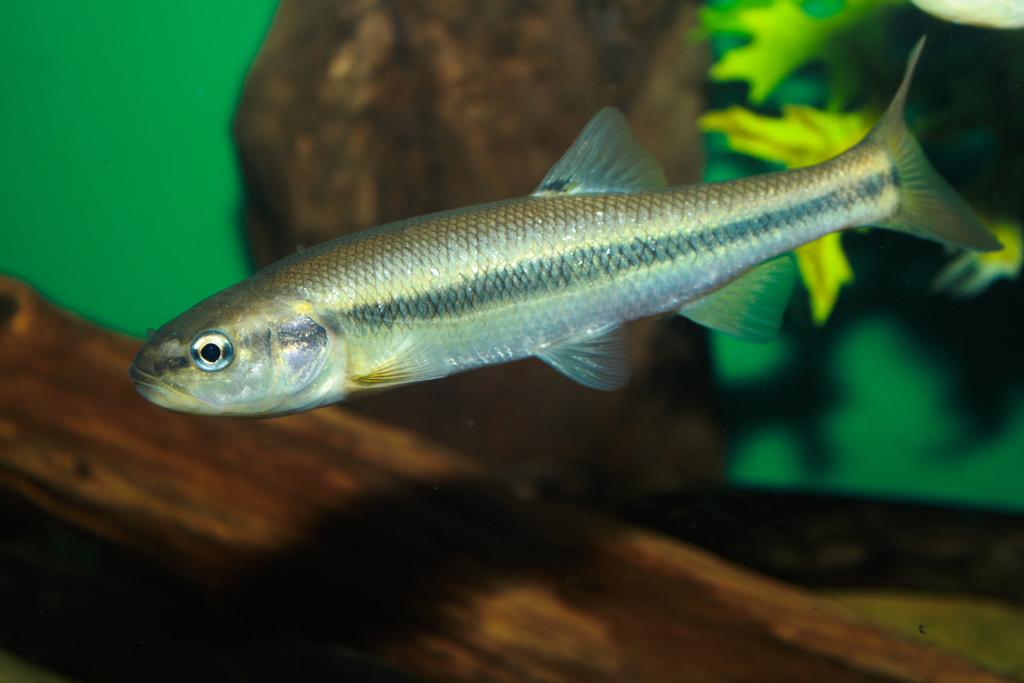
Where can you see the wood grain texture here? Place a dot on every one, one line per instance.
(347, 531)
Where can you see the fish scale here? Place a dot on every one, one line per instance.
(636, 235)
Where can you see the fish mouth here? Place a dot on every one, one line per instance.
(166, 396)
(170, 398)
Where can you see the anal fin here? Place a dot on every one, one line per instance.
(751, 307)
(598, 359)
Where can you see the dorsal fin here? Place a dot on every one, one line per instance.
(750, 307)
(605, 158)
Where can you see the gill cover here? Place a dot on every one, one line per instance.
(301, 345)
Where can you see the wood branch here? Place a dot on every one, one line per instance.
(362, 535)
(820, 540)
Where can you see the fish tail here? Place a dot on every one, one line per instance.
(929, 206)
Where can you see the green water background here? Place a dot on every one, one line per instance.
(120, 196)
(120, 199)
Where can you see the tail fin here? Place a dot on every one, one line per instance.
(929, 206)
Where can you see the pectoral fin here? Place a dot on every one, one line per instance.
(751, 307)
(598, 359)
(405, 363)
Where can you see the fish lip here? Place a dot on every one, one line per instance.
(138, 376)
(169, 398)
(145, 379)
(164, 395)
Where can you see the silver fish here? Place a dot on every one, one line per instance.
(554, 275)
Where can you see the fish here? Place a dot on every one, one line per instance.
(1003, 14)
(970, 273)
(553, 275)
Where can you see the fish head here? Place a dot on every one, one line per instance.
(240, 353)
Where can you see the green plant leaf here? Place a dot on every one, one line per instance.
(784, 36)
(824, 269)
(802, 136)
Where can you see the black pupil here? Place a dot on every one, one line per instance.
(210, 353)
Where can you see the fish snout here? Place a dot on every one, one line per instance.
(164, 395)
(135, 374)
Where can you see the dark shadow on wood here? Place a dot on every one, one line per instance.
(830, 541)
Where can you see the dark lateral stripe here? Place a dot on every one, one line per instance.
(868, 190)
(526, 279)
(604, 263)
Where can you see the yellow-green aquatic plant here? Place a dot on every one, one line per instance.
(784, 35)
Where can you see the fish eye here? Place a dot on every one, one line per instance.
(212, 351)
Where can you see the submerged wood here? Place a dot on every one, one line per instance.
(831, 541)
(355, 533)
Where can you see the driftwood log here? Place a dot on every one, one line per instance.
(362, 112)
(338, 529)
(829, 541)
